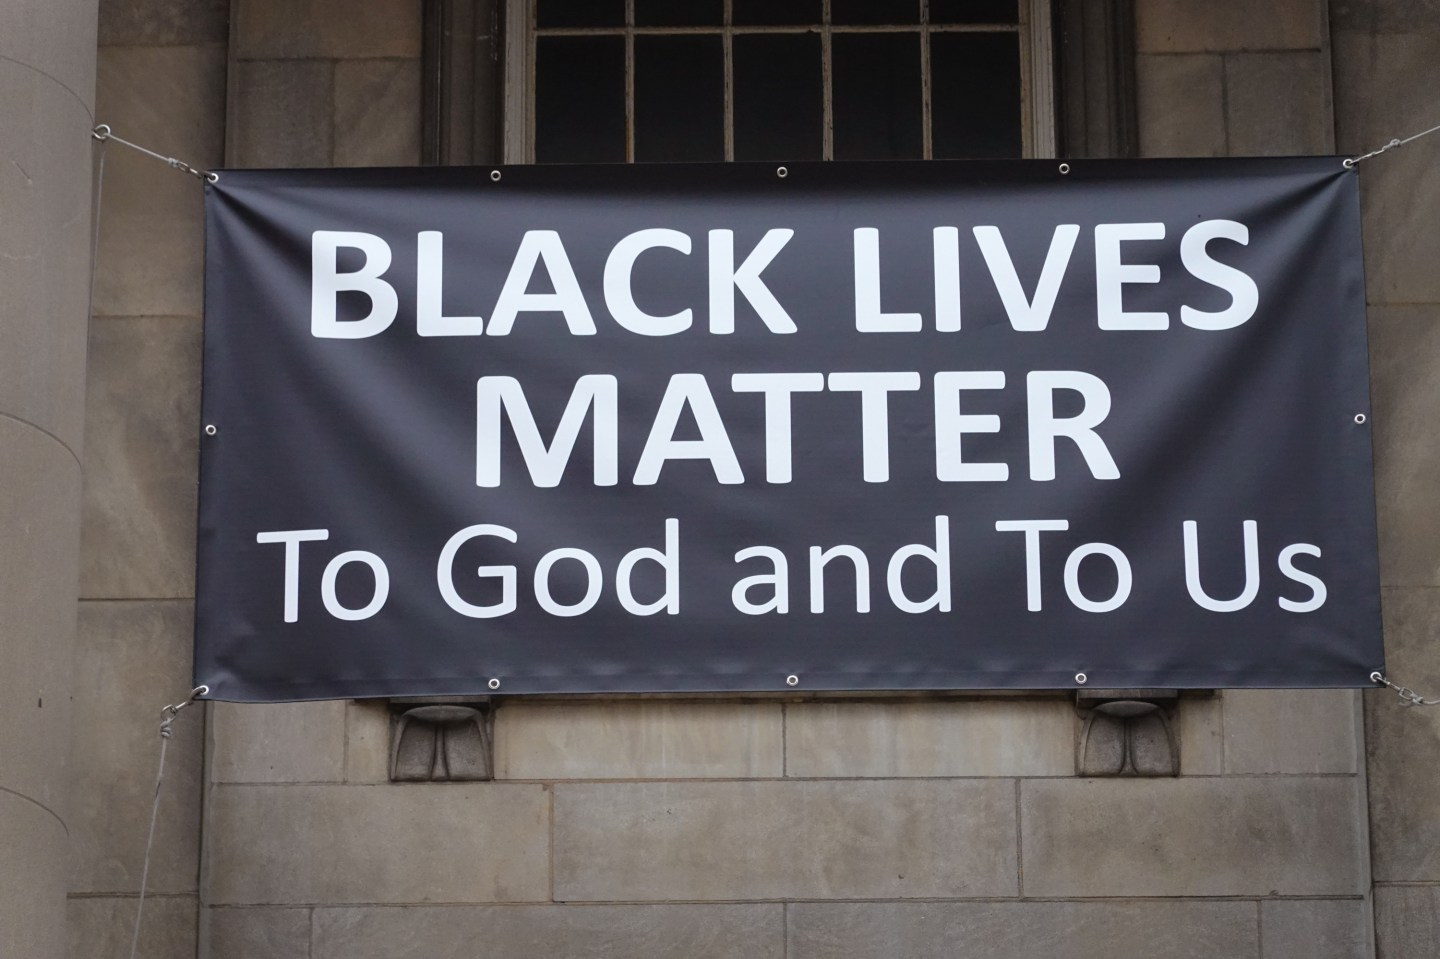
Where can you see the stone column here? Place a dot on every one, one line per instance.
(47, 87)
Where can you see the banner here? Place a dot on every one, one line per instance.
(873, 426)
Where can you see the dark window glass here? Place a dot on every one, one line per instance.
(579, 99)
(580, 13)
(746, 13)
(974, 11)
(876, 80)
(679, 98)
(779, 103)
(975, 95)
(679, 13)
(845, 12)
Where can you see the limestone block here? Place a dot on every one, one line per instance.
(1290, 731)
(141, 430)
(367, 742)
(157, 23)
(152, 226)
(282, 113)
(1384, 90)
(131, 659)
(1405, 391)
(278, 742)
(45, 235)
(1288, 836)
(1407, 921)
(721, 931)
(1315, 929)
(638, 740)
(1385, 16)
(485, 842)
(1278, 104)
(1181, 105)
(377, 113)
(1198, 727)
(792, 839)
(997, 737)
(39, 489)
(1189, 26)
(32, 878)
(103, 927)
(334, 29)
(1022, 930)
(258, 932)
(55, 38)
(1404, 744)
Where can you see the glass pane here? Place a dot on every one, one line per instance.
(877, 109)
(679, 13)
(774, 12)
(580, 13)
(679, 98)
(974, 11)
(874, 11)
(580, 99)
(779, 103)
(975, 95)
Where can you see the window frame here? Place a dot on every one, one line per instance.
(1037, 81)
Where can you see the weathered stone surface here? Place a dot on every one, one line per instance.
(44, 251)
(1198, 727)
(1278, 104)
(1288, 836)
(282, 113)
(1181, 105)
(57, 39)
(32, 878)
(103, 927)
(774, 840)
(163, 22)
(141, 429)
(39, 490)
(1022, 930)
(1185, 26)
(170, 99)
(442, 742)
(1291, 731)
(1407, 921)
(341, 844)
(998, 737)
(377, 113)
(1385, 16)
(127, 655)
(278, 742)
(258, 932)
(752, 931)
(1314, 929)
(1405, 391)
(1404, 744)
(1381, 94)
(638, 740)
(367, 742)
(334, 29)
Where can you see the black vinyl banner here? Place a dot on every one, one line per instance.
(939, 425)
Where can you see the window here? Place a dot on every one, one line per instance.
(676, 80)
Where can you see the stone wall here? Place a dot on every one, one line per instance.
(770, 827)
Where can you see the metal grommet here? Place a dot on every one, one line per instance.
(210, 429)
(494, 684)
(792, 680)
(101, 131)
(1081, 679)
(1359, 419)
(1377, 677)
(494, 176)
(1064, 168)
(782, 173)
(1348, 163)
(213, 177)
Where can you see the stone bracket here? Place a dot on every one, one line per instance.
(1127, 732)
(443, 741)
